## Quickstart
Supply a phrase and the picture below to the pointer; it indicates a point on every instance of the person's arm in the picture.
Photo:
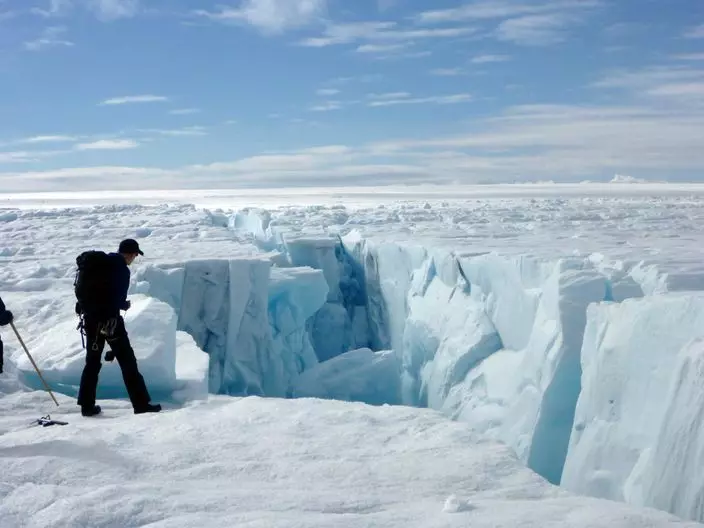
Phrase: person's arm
(124, 304)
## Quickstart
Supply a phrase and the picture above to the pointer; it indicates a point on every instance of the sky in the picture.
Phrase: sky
(154, 94)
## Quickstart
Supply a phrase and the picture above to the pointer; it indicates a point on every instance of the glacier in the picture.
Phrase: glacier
(588, 369)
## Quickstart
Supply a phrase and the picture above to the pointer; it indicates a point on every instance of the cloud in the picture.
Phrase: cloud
(130, 99)
(270, 16)
(48, 139)
(327, 106)
(535, 30)
(327, 91)
(382, 48)
(533, 23)
(673, 84)
(689, 57)
(15, 157)
(523, 143)
(49, 39)
(108, 10)
(486, 59)
(56, 8)
(436, 99)
(108, 144)
(103, 10)
(184, 111)
(379, 32)
(447, 72)
(25, 156)
(178, 132)
(695, 32)
(501, 9)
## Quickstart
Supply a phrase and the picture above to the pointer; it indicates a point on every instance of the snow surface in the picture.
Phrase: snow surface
(276, 463)
(563, 324)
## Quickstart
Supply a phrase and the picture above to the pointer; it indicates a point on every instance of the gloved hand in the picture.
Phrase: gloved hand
(6, 318)
(128, 304)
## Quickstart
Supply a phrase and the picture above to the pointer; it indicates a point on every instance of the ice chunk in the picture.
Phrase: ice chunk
(527, 397)
(626, 407)
(191, 370)
(295, 295)
(447, 333)
(59, 353)
(359, 375)
(224, 307)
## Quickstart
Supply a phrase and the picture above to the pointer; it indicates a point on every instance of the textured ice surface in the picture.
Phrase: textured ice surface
(480, 303)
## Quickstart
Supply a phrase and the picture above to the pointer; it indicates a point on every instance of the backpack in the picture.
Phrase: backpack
(93, 282)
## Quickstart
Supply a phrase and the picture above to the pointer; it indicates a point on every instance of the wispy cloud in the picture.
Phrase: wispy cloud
(486, 59)
(447, 72)
(674, 84)
(689, 57)
(54, 9)
(435, 99)
(184, 111)
(177, 132)
(48, 139)
(269, 16)
(108, 10)
(382, 48)
(131, 99)
(539, 22)
(379, 32)
(695, 32)
(104, 10)
(327, 106)
(50, 38)
(15, 157)
(326, 92)
(26, 156)
(502, 9)
(535, 30)
(108, 144)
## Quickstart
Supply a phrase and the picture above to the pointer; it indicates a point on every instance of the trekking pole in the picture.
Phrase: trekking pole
(12, 324)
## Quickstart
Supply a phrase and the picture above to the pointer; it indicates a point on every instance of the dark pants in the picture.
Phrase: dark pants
(124, 354)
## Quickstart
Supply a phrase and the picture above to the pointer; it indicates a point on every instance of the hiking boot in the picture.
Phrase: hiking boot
(90, 410)
(148, 408)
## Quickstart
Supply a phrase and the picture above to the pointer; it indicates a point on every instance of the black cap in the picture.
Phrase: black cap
(128, 246)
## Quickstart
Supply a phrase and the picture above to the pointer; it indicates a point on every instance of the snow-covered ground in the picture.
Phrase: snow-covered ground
(561, 321)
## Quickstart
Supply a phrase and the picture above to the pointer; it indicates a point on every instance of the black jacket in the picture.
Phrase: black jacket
(5, 314)
(120, 284)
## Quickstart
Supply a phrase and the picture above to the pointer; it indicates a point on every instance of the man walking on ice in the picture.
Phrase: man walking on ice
(101, 288)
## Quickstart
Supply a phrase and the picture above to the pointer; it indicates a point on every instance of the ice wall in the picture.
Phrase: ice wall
(250, 318)
(563, 359)
(638, 418)
(489, 340)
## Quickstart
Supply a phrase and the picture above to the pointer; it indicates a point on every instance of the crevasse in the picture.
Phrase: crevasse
(565, 360)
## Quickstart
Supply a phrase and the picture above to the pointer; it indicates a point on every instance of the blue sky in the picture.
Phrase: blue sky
(103, 94)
